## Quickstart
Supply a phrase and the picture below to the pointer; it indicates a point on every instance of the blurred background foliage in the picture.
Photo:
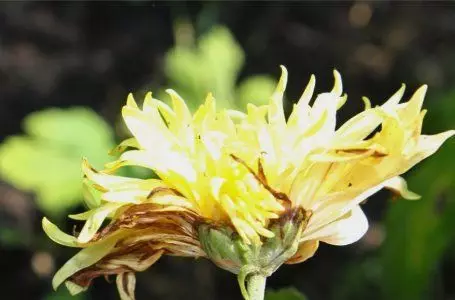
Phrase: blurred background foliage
(213, 65)
(46, 160)
(64, 78)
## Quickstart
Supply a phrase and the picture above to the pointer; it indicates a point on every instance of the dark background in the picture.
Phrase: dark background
(63, 54)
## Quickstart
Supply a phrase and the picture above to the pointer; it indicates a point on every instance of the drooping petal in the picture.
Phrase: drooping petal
(333, 206)
(83, 259)
(126, 283)
(343, 231)
(399, 185)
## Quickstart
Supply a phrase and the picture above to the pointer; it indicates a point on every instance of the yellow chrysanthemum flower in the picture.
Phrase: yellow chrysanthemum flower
(248, 190)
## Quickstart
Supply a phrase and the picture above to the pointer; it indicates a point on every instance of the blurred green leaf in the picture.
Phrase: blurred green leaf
(46, 160)
(284, 294)
(13, 237)
(359, 279)
(213, 65)
(63, 294)
(255, 89)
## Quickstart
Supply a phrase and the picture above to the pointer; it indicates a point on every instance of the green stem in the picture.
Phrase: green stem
(256, 286)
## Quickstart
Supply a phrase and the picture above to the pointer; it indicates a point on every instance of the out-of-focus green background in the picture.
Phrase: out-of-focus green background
(66, 69)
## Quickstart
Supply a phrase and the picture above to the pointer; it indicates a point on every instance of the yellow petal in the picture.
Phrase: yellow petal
(367, 103)
(338, 84)
(173, 200)
(411, 109)
(358, 127)
(161, 162)
(426, 146)
(130, 102)
(182, 127)
(95, 221)
(393, 101)
(308, 92)
(148, 128)
(105, 180)
(120, 148)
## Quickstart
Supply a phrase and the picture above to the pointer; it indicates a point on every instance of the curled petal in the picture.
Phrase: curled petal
(398, 185)
(58, 236)
(120, 148)
(338, 84)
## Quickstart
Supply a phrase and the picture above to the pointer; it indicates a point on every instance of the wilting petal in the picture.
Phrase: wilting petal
(305, 251)
(85, 258)
(126, 283)
(73, 288)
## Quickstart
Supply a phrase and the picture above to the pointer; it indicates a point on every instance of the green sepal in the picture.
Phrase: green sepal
(230, 252)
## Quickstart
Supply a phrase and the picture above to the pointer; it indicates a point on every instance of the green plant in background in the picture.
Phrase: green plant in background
(46, 160)
(284, 294)
(213, 63)
(63, 294)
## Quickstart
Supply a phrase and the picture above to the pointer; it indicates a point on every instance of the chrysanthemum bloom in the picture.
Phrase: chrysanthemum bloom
(250, 191)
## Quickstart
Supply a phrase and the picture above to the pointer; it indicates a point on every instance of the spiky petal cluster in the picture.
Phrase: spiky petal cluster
(241, 171)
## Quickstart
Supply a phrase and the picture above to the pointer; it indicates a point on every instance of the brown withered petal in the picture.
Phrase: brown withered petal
(150, 232)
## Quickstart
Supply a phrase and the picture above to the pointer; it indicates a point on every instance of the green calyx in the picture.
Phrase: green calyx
(230, 252)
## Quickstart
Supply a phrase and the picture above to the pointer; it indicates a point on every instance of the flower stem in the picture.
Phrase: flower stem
(256, 286)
